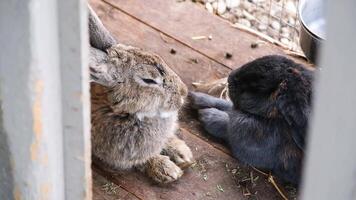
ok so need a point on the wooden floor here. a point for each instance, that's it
(162, 25)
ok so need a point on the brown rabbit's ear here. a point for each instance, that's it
(102, 71)
(100, 37)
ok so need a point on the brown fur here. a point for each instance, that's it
(133, 121)
(135, 100)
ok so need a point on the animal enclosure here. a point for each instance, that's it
(44, 101)
(277, 19)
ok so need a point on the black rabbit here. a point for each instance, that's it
(266, 123)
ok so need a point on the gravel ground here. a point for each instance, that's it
(275, 18)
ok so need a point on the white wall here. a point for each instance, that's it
(331, 164)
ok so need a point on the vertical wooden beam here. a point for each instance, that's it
(330, 171)
(44, 100)
(73, 40)
(30, 100)
(6, 172)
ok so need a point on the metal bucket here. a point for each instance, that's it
(313, 29)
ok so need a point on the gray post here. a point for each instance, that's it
(330, 172)
(44, 109)
(31, 101)
(73, 39)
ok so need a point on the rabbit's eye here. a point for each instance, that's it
(149, 81)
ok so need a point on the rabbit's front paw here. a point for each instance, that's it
(179, 152)
(200, 100)
(215, 121)
(162, 170)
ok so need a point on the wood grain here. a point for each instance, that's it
(106, 190)
(184, 20)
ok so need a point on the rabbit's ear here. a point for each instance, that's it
(295, 113)
(100, 37)
(102, 71)
(295, 98)
(292, 105)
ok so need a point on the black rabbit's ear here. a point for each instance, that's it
(293, 98)
(292, 108)
(294, 115)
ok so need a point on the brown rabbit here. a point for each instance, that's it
(135, 102)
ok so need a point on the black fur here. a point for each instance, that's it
(266, 125)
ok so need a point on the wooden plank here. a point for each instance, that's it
(104, 189)
(215, 176)
(185, 62)
(184, 20)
